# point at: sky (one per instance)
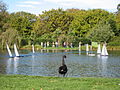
(37, 6)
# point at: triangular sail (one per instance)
(9, 52)
(33, 49)
(99, 49)
(16, 51)
(104, 51)
(87, 49)
(79, 46)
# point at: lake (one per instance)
(47, 62)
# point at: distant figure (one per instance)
(41, 44)
(48, 44)
(79, 46)
(64, 44)
(53, 44)
(71, 45)
(63, 68)
(56, 44)
(45, 45)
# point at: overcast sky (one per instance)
(37, 6)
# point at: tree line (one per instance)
(58, 25)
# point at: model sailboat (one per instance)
(91, 52)
(9, 52)
(104, 50)
(33, 49)
(99, 49)
(87, 48)
(79, 48)
(16, 51)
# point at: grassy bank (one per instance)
(83, 48)
(21, 82)
(37, 47)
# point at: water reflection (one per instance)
(86, 52)
(9, 65)
(102, 65)
(41, 50)
(12, 65)
(16, 61)
(33, 63)
(79, 52)
(79, 64)
(47, 50)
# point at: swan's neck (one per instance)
(63, 61)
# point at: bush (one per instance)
(115, 41)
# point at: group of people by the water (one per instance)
(56, 44)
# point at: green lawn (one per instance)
(37, 47)
(22, 82)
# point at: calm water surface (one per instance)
(46, 63)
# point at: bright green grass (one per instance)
(21, 82)
(62, 48)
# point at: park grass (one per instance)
(62, 48)
(23, 82)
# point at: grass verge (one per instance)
(38, 47)
(23, 82)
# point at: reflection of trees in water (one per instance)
(78, 65)
(2, 68)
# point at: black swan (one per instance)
(63, 69)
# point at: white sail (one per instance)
(99, 49)
(79, 46)
(9, 52)
(33, 49)
(16, 51)
(104, 51)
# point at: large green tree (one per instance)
(84, 21)
(118, 20)
(23, 22)
(3, 15)
(54, 22)
(102, 32)
(71, 25)
(10, 36)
